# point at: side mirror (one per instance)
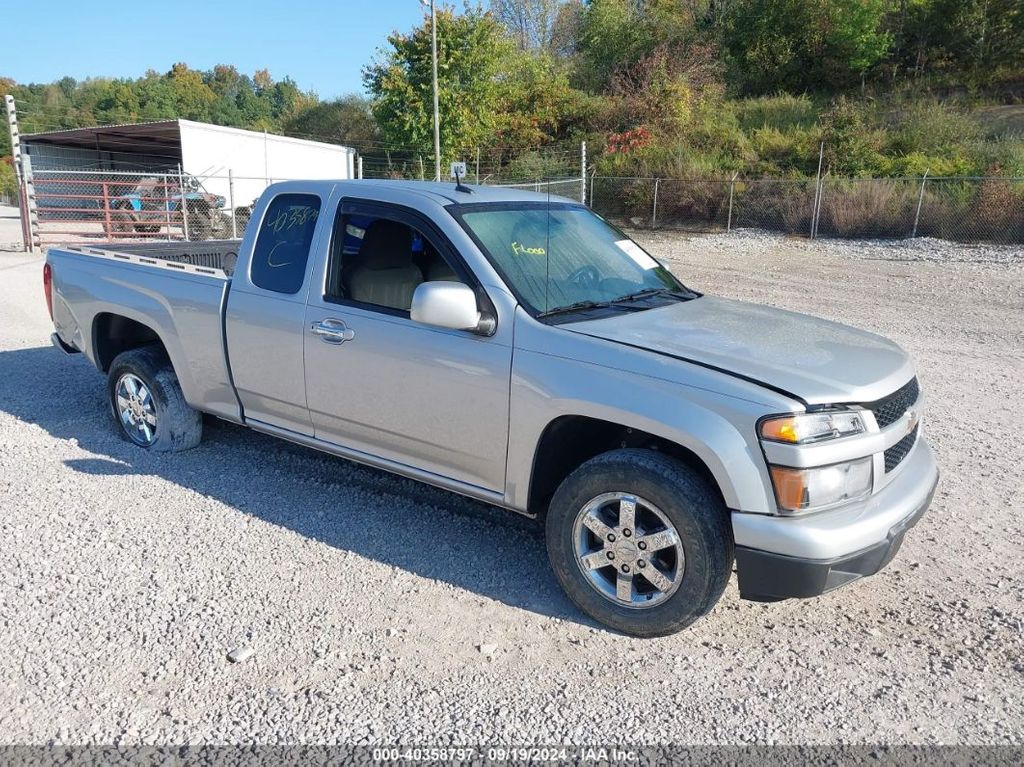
(449, 305)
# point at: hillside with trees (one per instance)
(672, 88)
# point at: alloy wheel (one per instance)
(136, 409)
(628, 550)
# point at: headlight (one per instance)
(822, 487)
(802, 428)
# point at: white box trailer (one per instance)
(113, 180)
(208, 152)
(255, 159)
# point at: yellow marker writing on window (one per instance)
(519, 249)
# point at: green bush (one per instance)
(785, 153)
(782, 112)
(929, 127)
(1004, 157)
(851, 145)
(917, 164)
(8, 181)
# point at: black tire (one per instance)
(242, 216)
(199, 230)
(178, 426)
(200, 227)
(694, 508)
(122, 221)
(220, 226)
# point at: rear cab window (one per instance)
(281, 252)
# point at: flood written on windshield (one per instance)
(563, 255)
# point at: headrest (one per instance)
(387, 245)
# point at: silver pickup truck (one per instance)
(516, 348)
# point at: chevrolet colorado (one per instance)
(517, 348)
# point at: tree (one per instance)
(609, 35)
(537, 104)
(565, 29)
(978, 37)
(347, 121)
(796, 45)
(120, 103)
(471, 50)
(191, 97)
(615, 34)
(530, 23)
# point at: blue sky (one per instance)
(320, 44)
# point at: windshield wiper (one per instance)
(617, 303)
(654, 292)
(579, 306)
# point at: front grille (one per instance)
(889, 410)
(895, 454)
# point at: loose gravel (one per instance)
(375, 610)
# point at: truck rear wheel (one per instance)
(640, 542)
(148, 404)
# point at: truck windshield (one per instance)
(561, 257)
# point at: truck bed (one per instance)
(217, 255)
(177, 290)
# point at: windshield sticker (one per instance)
(518, 249)
(634, 251)
(355, 231)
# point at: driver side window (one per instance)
(379, 261)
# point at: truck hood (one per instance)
(816, 360)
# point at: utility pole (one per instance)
(437, 119)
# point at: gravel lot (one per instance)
(126, 578)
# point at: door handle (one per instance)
(332, 331)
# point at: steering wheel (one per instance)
(587, 277)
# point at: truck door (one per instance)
(376, 381)
(266, 314)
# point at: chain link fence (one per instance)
(484, 165)
(83, 206)
(573, 188)
(75, 206)
(111, 206)
(959, 209)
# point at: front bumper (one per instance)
(784, 557)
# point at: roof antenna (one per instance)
(459, 170)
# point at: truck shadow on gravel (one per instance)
(423, 530)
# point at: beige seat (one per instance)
(387, 275)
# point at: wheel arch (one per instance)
(568, 441)
(114, 333)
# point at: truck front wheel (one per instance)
(148, 404)
(640, 542)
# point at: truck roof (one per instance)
(442, 193)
